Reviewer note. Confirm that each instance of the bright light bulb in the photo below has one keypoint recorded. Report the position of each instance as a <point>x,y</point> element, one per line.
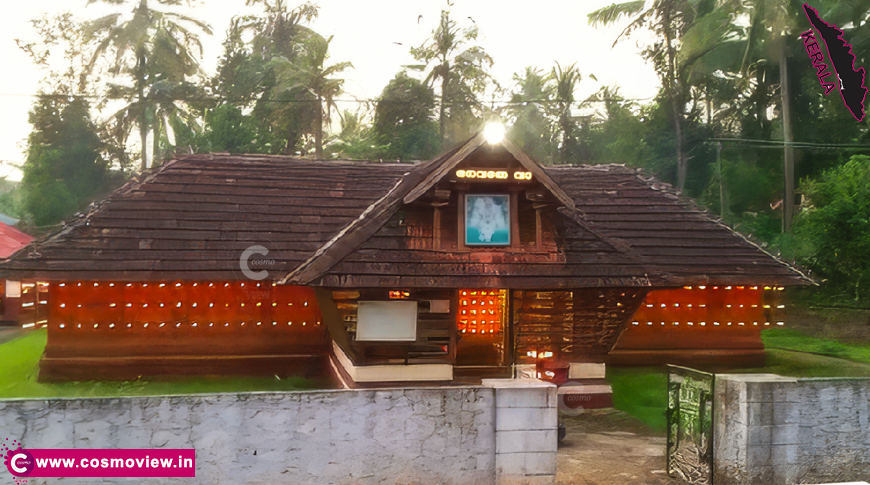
<point>493,132</point>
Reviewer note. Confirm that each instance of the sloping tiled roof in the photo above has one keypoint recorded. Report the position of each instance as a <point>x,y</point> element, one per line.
<point>627,230</point>
<point>328,223</point>
<point>192,219</point>
<point>672,234</point>
<point>11,240</point>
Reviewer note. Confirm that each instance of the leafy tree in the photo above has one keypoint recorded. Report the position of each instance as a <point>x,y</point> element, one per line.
<point>565,84</point>
<point>621,136</point>
<point>531,127</point>
<point>64,169</point>
<point>833,232</point>
<point>60,33</point>
<point>462,69</point>
<point>403,120</point>
<point>226,129</point>
<point>277,74</point>
<point>750,59</point>
<point>356,140</point>
<point>686,31</point>
<point>150,46</point>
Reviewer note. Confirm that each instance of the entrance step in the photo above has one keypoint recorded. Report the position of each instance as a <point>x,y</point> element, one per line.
<point>584,394</point>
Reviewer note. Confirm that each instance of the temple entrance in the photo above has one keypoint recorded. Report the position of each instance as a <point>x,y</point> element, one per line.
<point>482,345</point>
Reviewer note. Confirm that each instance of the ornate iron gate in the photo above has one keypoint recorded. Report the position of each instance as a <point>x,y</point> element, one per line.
<point>690,425</point>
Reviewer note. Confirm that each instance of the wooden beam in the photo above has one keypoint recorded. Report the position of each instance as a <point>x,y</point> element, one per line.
<point>539,174</point>
<point>445,167</point>
<point>515,221</point>
<point>436,228</point>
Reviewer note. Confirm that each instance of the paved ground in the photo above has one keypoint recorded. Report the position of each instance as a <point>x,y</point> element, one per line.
<point>7,334</point>
<point>609,447</point>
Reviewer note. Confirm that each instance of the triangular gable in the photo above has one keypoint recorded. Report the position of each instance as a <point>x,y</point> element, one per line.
<point>462,154</point>
<point>364,226</point>
<point>413,186</point>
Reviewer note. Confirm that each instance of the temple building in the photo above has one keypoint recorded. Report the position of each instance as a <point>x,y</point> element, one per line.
<point>478,263</point>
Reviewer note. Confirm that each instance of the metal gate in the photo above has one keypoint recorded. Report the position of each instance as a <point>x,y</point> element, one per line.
<point>690,425</point>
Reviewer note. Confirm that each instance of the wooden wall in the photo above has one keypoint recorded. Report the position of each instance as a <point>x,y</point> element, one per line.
<point>542,322</point>
<point>435,331</point>
<point>97,325</point>
<point>571,326</point>
<point>706,324</point>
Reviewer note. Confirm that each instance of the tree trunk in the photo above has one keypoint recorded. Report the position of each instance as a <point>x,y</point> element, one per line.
<point>788,149</point>
<point>682,168</point>
<point>155,143</point>
<point>723,199</point>
<point>318,132</point>
<point>761,103</point>
<point>709,104</point>
<point>442,117</point>
<point>143,123</point>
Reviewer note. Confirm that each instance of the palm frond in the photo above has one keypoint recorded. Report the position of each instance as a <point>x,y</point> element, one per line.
<point>102,23</point>
<point>611,14</point>
<point>205,26</point>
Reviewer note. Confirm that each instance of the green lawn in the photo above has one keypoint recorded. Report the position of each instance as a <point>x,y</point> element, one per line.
<point>18,371</point>
<point>642,391</point>
<point>788,339</point>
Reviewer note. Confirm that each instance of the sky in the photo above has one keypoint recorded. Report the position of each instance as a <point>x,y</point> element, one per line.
<point>375,35</point>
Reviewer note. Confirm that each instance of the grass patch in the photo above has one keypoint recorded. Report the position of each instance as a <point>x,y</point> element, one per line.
<point>801,364</point>
<point>641,392</point>
<point>19,368</point>
<point>790,339</point>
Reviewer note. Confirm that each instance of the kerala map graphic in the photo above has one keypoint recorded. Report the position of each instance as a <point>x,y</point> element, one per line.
<point>851,80</point>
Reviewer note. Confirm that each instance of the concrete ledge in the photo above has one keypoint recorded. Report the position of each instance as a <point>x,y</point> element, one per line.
<point>392,373</point>
<point>688,357</point>
<point>578,370</point>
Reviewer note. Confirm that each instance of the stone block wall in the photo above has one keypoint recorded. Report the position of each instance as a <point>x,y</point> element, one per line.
<point>526,431</point>
<point>776,430</point>
<point>407,436</point>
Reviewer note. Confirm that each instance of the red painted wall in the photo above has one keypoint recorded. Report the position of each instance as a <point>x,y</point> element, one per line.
<point>106,319</point>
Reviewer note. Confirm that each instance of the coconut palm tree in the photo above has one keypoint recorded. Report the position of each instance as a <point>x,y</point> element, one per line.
<point>319,81</point>
<point>135,41</point>
<point>530,102</point>
<point>566,81</point>
<point>688,31</point>
<point>461,69</point>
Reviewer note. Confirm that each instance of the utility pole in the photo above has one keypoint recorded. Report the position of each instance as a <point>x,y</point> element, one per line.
<point>788,149</point>
<point>723,204</point>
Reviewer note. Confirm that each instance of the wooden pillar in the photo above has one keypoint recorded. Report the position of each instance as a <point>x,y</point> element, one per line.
<point>12,303</point>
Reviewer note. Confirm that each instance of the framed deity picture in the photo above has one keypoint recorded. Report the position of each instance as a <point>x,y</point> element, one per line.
<point>487,220</point>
